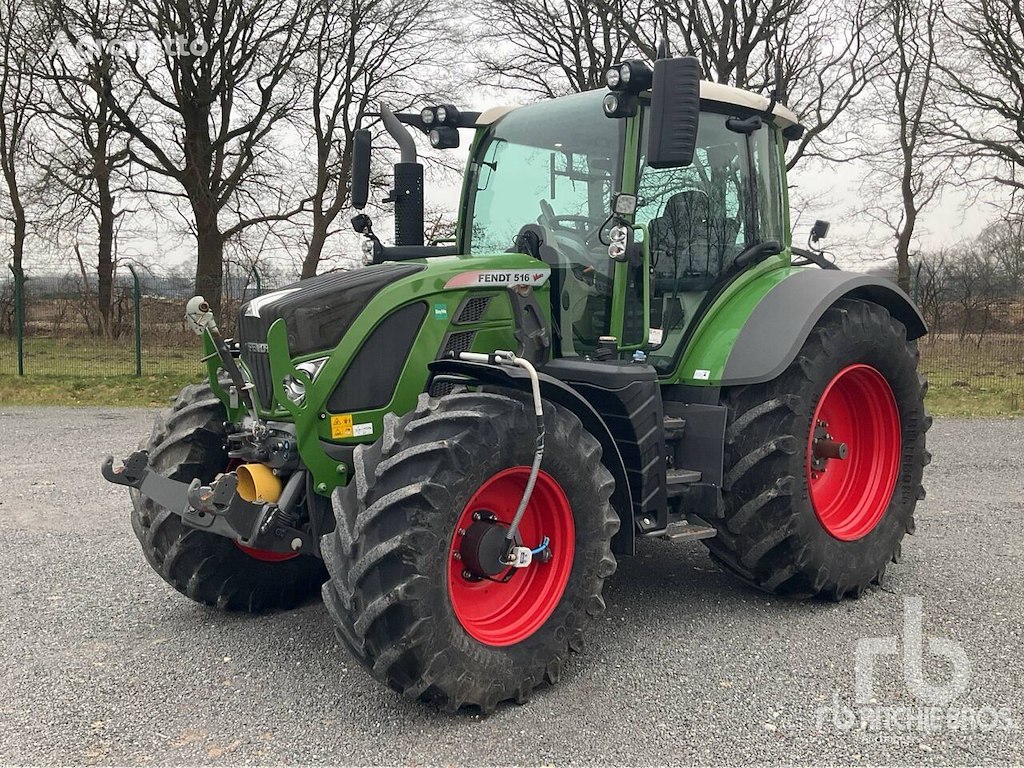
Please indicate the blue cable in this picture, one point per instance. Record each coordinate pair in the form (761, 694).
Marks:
(542, 547)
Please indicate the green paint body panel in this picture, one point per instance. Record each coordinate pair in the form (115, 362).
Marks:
(712, 341)
(313, 421)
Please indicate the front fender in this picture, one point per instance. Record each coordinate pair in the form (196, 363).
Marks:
(561, 393)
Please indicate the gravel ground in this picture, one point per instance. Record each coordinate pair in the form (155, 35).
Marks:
(101, 662)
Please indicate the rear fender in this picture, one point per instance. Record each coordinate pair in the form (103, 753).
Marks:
(559, 392)
(780, 323)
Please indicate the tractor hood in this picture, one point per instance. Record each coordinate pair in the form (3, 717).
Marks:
(316, 311)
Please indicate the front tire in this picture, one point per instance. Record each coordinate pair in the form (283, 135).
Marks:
(797, 518)
(397, 592)
(188, 442)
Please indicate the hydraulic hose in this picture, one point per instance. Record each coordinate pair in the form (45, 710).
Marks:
(503, 357)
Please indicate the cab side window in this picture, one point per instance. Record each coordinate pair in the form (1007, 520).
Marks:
(695, 221)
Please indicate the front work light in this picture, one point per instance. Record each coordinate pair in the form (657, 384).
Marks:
(632, 76)
(444, 137)
(635, 76)
(620, 104)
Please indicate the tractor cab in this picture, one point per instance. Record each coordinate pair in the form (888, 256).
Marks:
(639, 238)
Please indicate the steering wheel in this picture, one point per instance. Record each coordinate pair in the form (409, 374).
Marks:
(553, 220)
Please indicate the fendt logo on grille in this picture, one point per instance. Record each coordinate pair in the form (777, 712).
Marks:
(255, 346)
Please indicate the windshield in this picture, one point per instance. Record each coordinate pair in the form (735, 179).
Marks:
(552, 167)
(551, 163)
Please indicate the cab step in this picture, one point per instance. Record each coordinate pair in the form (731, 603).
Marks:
(674, 427)
(684, 531)
(677, 481)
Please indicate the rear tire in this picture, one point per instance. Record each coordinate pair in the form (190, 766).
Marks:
(788, 526)
(188, 442)
(394, 591)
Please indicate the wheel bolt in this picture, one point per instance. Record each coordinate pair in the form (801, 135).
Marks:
(467, 575)
(462, 531)
(457, 555)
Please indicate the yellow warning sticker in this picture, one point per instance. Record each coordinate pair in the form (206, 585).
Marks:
(341, 425)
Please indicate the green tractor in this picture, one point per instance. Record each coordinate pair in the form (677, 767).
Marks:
(455, 442)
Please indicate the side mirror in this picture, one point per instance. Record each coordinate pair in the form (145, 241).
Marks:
(820, 230)
(675, 112)
(360, 185)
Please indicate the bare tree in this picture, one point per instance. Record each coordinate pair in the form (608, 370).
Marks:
(912, 171)
(933, 288)
(552, 47)
(812, 55)
(83, 154)
(364, 52)
(1004, 241)
(816, 57)
(19, 97)
(221, 83)
(986, 79)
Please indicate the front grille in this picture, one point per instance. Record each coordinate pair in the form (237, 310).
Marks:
(251, 332)
(462, 341)
(472, 310)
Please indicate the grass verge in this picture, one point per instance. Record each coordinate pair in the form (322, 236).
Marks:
(48, 389)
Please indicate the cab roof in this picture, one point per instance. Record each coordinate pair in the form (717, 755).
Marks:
(709, 91)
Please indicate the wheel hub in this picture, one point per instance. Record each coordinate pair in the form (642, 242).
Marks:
(497, 603)
(823, 448)
(483, 548)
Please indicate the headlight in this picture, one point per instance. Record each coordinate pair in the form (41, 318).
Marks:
(368, 251)
(294, 389)
(427, 116)
(611, 78)
(619, 236)
(624, 73)
(442, 114)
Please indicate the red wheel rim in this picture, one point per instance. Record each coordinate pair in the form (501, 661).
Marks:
(850, 495)
(505, 614)
(263, 555)
(266, 555)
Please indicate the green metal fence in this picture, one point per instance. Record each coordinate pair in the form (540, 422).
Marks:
(52, 324)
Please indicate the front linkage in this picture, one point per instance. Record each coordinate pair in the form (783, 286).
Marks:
(247, 505)
(219, 507)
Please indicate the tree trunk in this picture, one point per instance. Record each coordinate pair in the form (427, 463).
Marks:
(316, 248)
(20, 228)
(210, 257)
(904, 239)
(903, 260)
(105, 254)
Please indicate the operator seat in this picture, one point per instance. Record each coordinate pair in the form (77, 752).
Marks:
(681, 243)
